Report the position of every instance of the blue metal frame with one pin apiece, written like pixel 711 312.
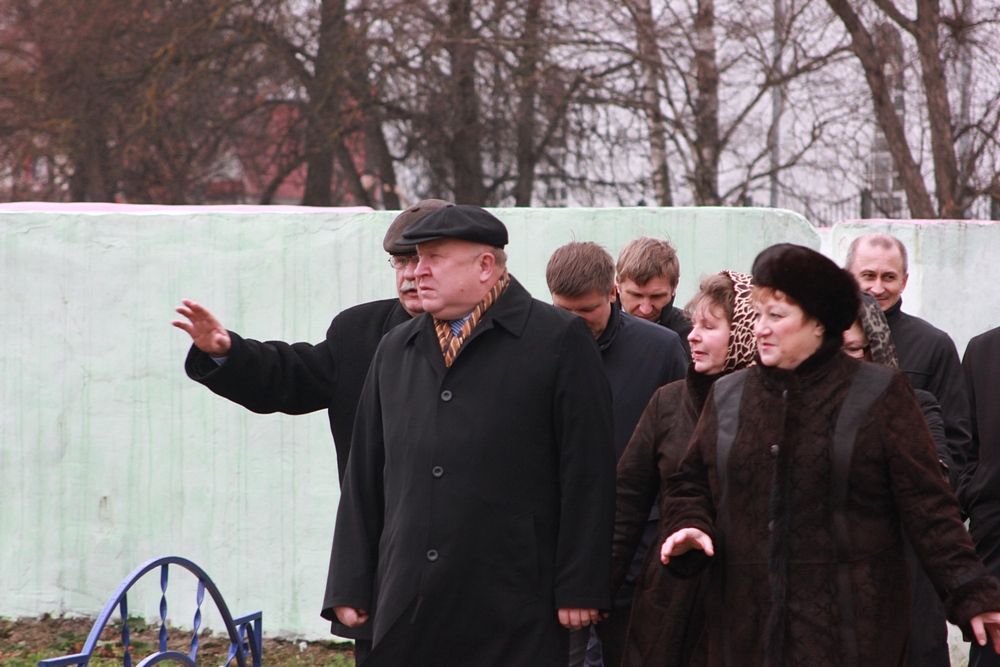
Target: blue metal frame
pixel 245 638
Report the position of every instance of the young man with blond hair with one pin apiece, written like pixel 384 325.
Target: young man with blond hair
pixel 648 271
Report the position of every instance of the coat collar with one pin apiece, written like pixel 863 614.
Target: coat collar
pixel 396 315
pixel 894 311
pixel 615 322
pixel 667 312
pixel 812 371
pixel 698 386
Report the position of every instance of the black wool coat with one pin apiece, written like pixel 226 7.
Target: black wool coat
pixel 479 498
pixel 783 595
pixel 297 378
pixel 982 484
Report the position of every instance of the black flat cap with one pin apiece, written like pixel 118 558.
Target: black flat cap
pixel 393 236
pixel 823 290
pixel 459 221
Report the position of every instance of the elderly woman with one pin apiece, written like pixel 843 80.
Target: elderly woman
pixel 666 620
pixel 803 474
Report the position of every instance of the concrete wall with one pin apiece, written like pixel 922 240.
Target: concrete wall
pixel 109 455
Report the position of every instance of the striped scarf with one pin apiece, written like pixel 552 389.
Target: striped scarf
pixel 450 342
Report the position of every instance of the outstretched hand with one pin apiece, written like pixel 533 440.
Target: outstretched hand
pixel 987 626
pixel 206 332
pixel 683 541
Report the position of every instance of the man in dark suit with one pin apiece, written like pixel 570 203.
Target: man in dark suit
pixel 475 522
pixel 981 365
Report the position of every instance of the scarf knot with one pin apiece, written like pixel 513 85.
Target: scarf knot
pixel 451 342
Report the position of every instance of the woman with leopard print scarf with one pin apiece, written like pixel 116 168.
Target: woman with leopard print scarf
pixel 666 624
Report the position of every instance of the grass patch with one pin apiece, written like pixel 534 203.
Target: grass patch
pixel 25 641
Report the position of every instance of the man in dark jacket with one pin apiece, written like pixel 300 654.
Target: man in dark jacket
pixel 639 358
pixel 981 364
pixel 647 275
pixel 926 354
pixel 475 521
pixel 928 357
pixel 299 378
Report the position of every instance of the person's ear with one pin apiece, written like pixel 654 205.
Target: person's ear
pixel 487 263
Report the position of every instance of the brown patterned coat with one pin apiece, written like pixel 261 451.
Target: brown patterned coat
pixel 780 543
pixel 667 619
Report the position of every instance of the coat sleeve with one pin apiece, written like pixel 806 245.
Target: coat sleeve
pixel 637 487
pixel 584 437
pixel 688 500
pixel 271 376
pixel 354 555
pixel 948 386
pixel 929 510
pixel 972 365
pixel 931 410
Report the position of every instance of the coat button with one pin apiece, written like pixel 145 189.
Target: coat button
pixel 437 471
pixel 774 450
pixel 432 555
pixel 446 395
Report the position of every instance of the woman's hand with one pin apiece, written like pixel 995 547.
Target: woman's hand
pixel 987 623
pixel 683 541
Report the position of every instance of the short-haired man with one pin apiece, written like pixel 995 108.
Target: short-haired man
pixel 475 522
pixel 981 364
pixel 647 275
pixel 928 357
pixel 639 357
pixel 299 378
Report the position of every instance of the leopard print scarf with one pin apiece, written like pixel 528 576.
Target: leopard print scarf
pixel 876 328
pixel 742 342
pixel 451 343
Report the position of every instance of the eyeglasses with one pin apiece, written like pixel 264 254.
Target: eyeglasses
pixel 402 261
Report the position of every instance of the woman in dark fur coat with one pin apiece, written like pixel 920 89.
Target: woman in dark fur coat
pixel 667 619
pixel 802 476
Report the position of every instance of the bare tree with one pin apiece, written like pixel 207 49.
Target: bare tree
pixel 127 100
pixel 706 68
pixel 651 65
pixel 930 30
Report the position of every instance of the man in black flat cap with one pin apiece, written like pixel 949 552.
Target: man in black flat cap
pixel 475 521
pixel 298 378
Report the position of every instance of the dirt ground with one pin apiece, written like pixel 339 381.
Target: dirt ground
pixel 23 642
